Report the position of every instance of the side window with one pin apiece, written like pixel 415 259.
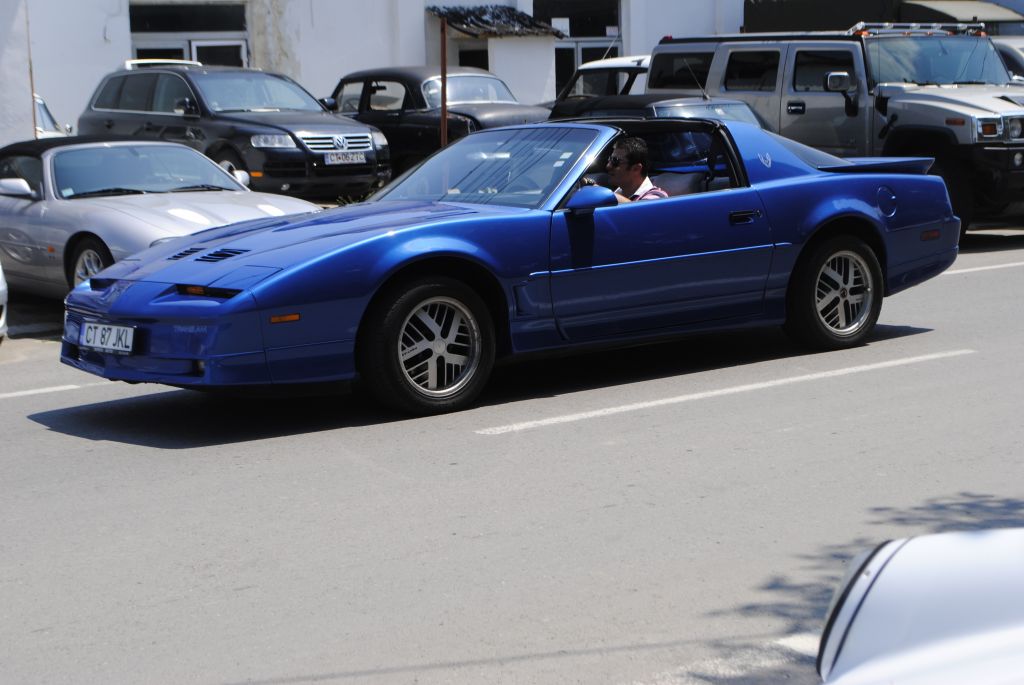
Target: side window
pixel 811 66
pixel 752 70
pixel 109 94
pixel 386 96
pixel 20 166
pixel 349 96
pixel 136 91
pixel 170 89
pixel 686 70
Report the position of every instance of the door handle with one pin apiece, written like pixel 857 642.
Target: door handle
pixel 744 216
pixel 109 123
pixel 795 107
pixel 148 126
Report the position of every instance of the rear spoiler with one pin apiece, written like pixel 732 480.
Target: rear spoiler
pixel 882 165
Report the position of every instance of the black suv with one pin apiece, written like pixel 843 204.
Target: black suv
pixel 262 123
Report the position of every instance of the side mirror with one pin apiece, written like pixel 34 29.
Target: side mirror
pixel 588 198
pixel 241 176
pixel 329 103
pixel 1016 78
pixel 69 129
pixel 186 107
pixel 837 81
pixel 840 82
pixel 16 187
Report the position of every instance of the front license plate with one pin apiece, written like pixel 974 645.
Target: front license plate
pixel 345 158
pixel 101 336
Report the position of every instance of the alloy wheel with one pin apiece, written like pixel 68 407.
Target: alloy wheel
pixel 88 264
pixel 439 347
pixel 844 293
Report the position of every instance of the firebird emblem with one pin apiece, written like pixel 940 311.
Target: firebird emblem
pixel 766 159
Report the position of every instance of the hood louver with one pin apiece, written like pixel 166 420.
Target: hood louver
pixel 220 255
pixel 184 253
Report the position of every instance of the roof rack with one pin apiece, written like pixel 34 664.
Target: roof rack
pixel 867 28
pixel 131 64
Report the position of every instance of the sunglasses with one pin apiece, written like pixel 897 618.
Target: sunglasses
pixel 614 161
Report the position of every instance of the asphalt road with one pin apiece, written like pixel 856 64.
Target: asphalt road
pixel 673 514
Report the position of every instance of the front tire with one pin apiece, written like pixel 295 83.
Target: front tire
pixel 427 347
pixel 90 256
pixel 835 295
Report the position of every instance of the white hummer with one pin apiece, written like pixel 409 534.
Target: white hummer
pixel 931 90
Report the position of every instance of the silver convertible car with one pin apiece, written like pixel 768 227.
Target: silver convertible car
pixel 70 207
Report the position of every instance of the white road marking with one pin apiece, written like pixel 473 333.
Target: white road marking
pixel 981 268
pixel 638 406
pixel 41 391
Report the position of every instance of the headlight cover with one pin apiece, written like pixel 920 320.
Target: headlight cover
pixel 379 139
pixel 1015 128
pixel 272 140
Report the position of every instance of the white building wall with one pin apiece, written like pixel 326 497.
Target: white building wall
pixel 527 65
pixel 73 46
pixel 16 103
pixel 319 41
pixel 645 22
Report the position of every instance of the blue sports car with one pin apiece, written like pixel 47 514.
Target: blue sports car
pixel 500 244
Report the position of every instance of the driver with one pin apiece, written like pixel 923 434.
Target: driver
pixel 627 167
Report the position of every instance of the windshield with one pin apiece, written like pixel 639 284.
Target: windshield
pixel 252 91
pixel 734 111
pixel 513 167
pixel 135 169
pixel 467 89
pixel 930 60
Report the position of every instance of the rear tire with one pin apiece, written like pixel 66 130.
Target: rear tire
pixel 90 256
pixel 427 347
pixel 835 295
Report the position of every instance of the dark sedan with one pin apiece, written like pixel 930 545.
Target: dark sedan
pixel 405 103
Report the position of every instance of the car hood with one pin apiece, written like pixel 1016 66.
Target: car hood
pixel 495 114
pixel 971 99
pixel 275 244
pixel 299 121
pixel 185 213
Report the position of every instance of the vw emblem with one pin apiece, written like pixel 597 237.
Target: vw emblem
pixel 340 142
pixel 765 158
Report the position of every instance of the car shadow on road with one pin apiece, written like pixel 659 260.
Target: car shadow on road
pixel 183 419
pixel 561 374
pixel 801 605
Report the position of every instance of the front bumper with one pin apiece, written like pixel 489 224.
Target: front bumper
pixel 297 171
pixel 1001 173
pixel 227 351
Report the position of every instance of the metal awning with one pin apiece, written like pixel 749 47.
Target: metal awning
pixel 964 10
pixel 494 21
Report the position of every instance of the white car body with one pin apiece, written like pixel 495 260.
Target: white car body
pixel 35 231
pixel 939 609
